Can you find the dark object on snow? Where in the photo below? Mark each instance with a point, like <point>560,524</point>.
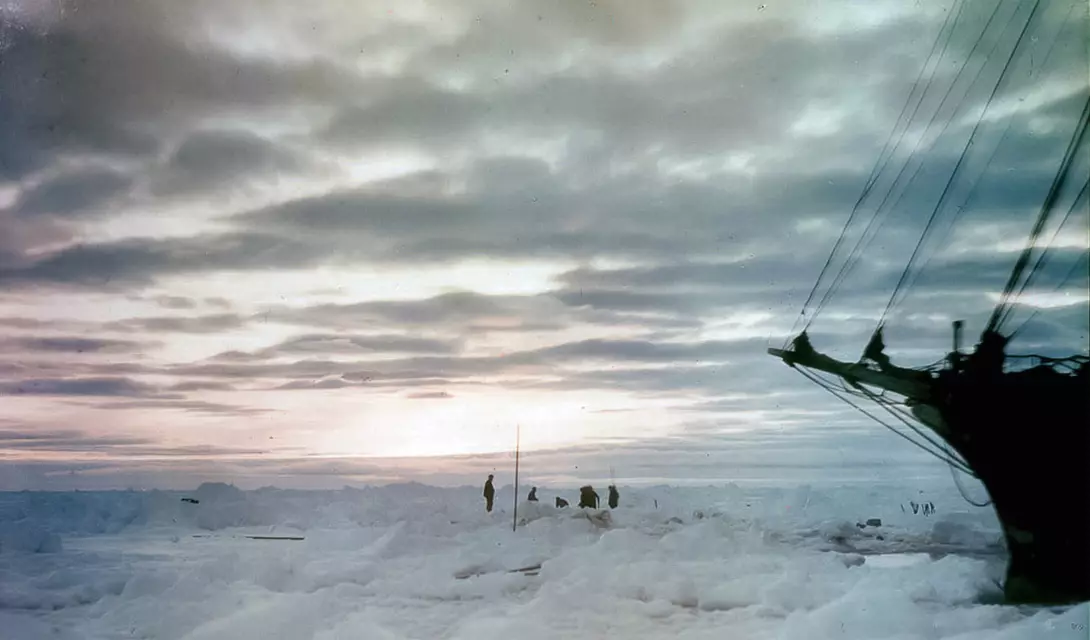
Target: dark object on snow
<point>614,497</point>
<point>588,498</point>
<point>533,495</point>
<point>191,500</point>
<point>874,522</point>
<point>561,503</point>
<point>489,494</point>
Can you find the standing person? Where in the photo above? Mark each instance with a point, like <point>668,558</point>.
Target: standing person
<point>489,494</point>
<point>588,498</point>
<point>614,497</point>
<point>533,495</point>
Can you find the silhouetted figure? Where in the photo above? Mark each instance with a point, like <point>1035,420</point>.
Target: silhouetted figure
<point>561,502</point>
<point>915,507</point>
<point>932,504</point>
<point>489,494</point>
<point>614,497</point>
<point>875,351</point>
<point>588,499</point>
<point>987,360</point>
<point>801,344</point>
<point>533,495</point>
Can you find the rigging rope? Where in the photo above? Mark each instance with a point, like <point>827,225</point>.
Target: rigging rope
<point>867,235</point>
<point>832,390</point>
<point>956,216</point>
<point>882,160</point>
<point>1038,265</point>
<point>1002,309</point>
<point>957,167</point>
<point>1063,282</point>
<point>964,494</point>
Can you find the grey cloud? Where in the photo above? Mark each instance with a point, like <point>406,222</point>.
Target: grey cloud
<point>105,387</point>
<point>328,383</point>
<point>72,441</point>
<point>62,439</point>
<point>72,193</point>
<point>175,302</point>
<point>139,261</point>
<point>188,406</point>
<point>453,310</point>
<point>201,385</point>
<point>430,395</point>
<point>180,324</point>
<point>70,344</point>
<point>210,158</point>
<point>349,344</point>
<point>98,80</point>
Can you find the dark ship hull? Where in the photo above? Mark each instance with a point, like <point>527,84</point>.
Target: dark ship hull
<point>1026,437</point>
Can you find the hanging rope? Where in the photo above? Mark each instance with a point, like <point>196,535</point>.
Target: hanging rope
<point>882,160</point>
<point>967,201</point>
<point>1002,309</point>
<point>1003,77</point>
<point>832,390</point>
<point>965,494</point>
<point>1043,257</point>
<point>870,230</point>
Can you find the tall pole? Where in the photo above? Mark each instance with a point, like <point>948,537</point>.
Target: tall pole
<point>515,517</point>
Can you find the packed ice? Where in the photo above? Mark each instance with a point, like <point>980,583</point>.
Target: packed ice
<point>415,561</point>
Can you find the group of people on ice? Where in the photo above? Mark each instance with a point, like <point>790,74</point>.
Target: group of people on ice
<point>588,497</point>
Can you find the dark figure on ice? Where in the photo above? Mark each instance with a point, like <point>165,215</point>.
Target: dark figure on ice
<point>561,502</point>
<point>533,494</point>
<point>614,497</point>
<point>588,498</point>
<point>489,494</point>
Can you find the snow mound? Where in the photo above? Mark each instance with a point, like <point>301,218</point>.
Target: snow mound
<point>27,537</point>
<point>412,561</point>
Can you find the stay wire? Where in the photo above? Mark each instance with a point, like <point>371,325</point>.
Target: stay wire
<point>866,236</point>
<point>882,160</point>
<point>966,203</point>
<point>961,160</point>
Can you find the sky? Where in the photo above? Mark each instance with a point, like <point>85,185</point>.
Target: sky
<point>326,243</point>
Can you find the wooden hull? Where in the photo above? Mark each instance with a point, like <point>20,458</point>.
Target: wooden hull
<point>1026,436</point>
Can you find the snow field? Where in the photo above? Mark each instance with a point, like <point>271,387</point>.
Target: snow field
<point>411,561</point>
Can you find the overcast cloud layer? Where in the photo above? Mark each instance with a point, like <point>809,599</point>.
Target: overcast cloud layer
<point>275,241</point>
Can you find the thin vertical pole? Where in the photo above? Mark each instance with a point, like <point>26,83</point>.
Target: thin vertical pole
<point>515,517</point>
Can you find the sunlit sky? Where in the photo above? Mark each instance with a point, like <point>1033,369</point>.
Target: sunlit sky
<point>336,242</point>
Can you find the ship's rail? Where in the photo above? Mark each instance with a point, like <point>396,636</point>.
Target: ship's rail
<point>1068,365</point>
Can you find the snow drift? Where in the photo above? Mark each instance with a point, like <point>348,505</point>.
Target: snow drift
<point>411,561</point>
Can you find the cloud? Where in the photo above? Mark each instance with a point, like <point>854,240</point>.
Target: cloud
<point>106,387</point>
<point>71,344</point>
<point>213,323</point>
<point>72,441</point>
<point>430,395</point>
<point>187,406</point>
<point>349,344</point>
<point>74,193</point>
<point>682,171</point>
<point>209,159</point>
